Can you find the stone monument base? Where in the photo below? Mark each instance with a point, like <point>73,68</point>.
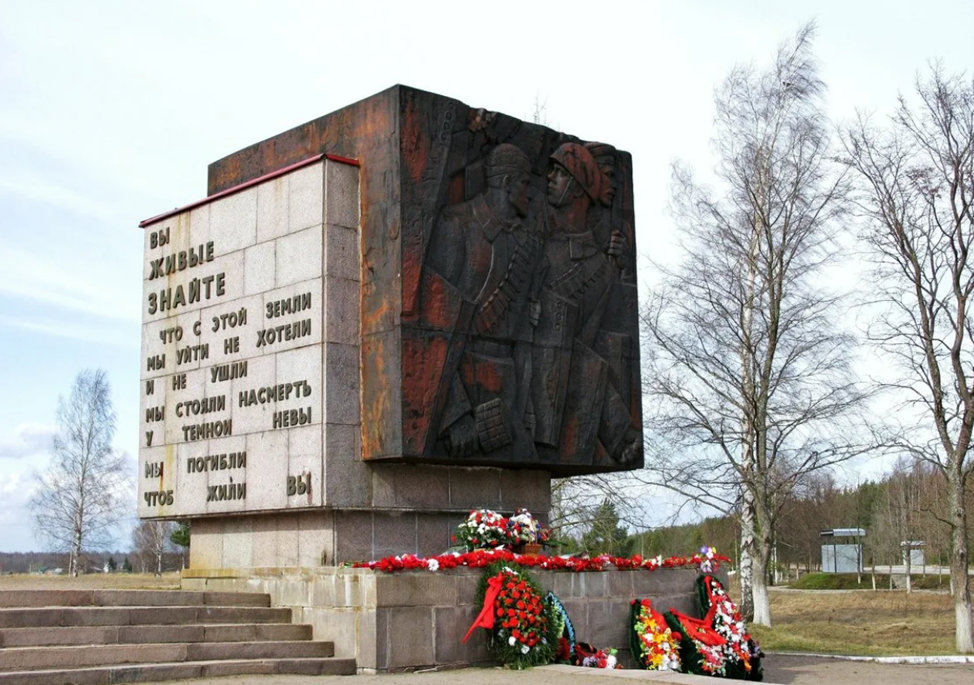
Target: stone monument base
<point>397,509</point>
<point>416,619</point>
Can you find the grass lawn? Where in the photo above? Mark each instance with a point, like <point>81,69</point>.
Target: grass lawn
<point>91,581</point>
<point>859,622</point>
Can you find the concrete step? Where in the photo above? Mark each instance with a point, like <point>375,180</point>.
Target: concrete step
<point>143,634</point>
<point>46,658</point>
<point>109,675</point>
<point>49,617</point>
<point>142,598</point>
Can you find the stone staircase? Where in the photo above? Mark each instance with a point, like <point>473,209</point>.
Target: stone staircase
<point>95,637</point>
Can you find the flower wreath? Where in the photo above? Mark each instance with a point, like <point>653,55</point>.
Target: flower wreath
<point>563,628</point>
<point>742,652</point>
<point>519,622</point>
<point>652,642</point>
<point>701,647</point>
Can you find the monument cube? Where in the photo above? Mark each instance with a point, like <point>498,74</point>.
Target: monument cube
<point>381,319</point>
<point>498,298</point>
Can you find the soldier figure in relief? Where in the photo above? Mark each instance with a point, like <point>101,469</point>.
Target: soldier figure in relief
<point>578,410</point>
<point>489,248</point>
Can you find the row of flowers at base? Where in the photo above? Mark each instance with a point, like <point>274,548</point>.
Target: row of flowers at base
<point>707,561</point>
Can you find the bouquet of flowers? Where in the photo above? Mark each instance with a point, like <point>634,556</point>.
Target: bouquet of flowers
<point>483,529</point>
<point>486,529</point>
<point>523,527</point>
<point>653,642</point>
<point>589,656</point>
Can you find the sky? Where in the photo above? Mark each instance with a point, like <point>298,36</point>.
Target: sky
<point>110,113</point>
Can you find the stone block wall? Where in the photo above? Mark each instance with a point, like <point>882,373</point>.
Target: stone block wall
<point>409,620</point>
<point>407,509</point>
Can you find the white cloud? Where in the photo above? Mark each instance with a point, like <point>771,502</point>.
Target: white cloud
<point>28,439</point>
<point>47,278</point>
<point>15,491</point>
<point>62,329</point>
<point>63,198</point>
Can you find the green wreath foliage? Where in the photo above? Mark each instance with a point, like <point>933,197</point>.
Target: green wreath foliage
<point>635,644</point>
<point>519,655</point>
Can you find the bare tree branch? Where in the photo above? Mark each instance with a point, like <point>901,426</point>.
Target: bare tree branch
<point>751,383</point>
<point>917,189</point>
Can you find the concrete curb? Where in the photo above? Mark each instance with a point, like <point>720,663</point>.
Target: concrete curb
<point>946,659</point>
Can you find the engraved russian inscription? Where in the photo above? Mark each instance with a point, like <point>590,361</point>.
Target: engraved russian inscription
<point>298,485</point>
<point>225,375</point>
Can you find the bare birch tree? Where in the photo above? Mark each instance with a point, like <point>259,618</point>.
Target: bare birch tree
<point>152,540</point>
<point>81,497</point>
<point>918,194</point>
<point>749,381</point>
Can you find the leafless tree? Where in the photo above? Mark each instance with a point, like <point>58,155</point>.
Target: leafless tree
<point>750,382</point>
<point>575,502</point>
<point>918,194</point>
<point>152,540</point>
<point>78,501</point>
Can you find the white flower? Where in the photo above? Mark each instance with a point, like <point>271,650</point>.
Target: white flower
<point>511,641</point>
<point>432,564</point>
<point>524,649</point>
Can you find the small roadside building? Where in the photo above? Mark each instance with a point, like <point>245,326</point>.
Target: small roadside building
<point>842,550</point>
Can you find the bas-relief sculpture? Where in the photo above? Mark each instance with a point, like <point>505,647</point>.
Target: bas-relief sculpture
<point>525,311</point>
<point>497,291</point>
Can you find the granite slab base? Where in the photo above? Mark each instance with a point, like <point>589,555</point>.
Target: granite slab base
<point>416,619</point>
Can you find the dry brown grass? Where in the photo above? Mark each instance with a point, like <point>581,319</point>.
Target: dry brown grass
<point>861,622</point>
<point>91,581</point>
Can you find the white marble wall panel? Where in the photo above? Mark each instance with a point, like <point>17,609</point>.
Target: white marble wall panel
<point>305,462</point>
<point>220,280</point>
<point>153,412</point>
<point>306,197</point>
<point>254,418</point>
<point>230,324</point>
<point>267,470</point>
<point>259,267</point>
<point>273,208</point>
<point>183,391</point>
<point>157,474</point>
<point>192,487</point>
<point>169,336</point>
<point>299,256</point>
<point>233,221</point>
<point>199,226</point>
<point>289,324</point>
<point>270,243</point>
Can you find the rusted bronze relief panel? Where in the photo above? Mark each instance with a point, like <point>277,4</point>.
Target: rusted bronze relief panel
<point>499,306</point>
<point>519,321</point>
